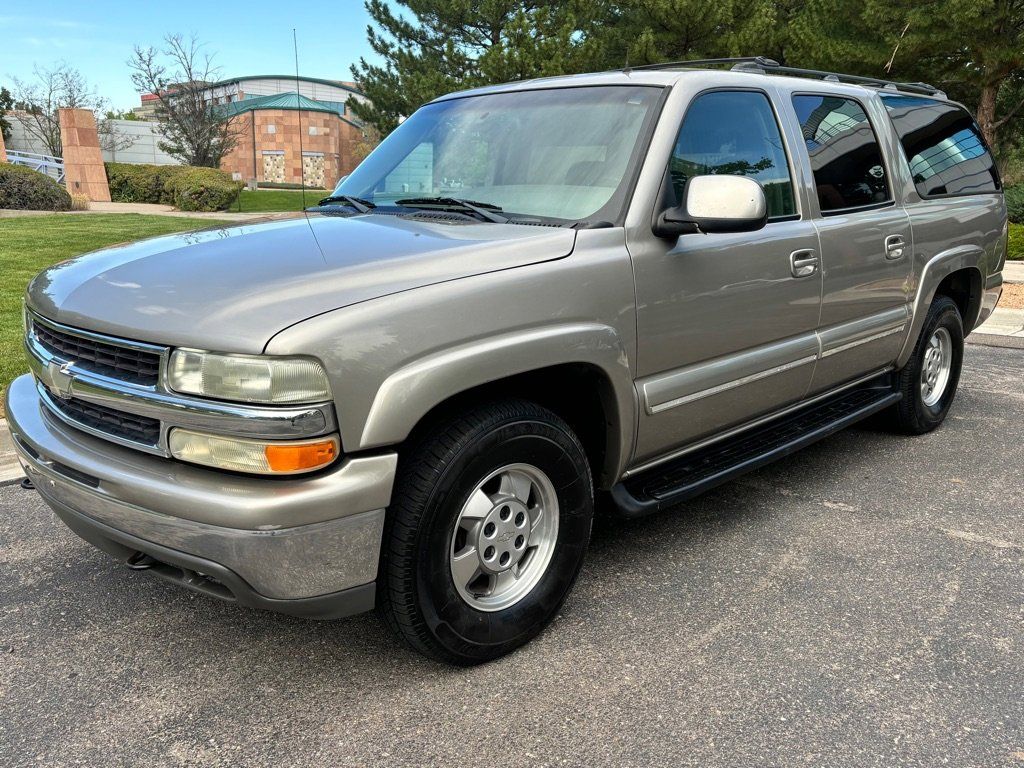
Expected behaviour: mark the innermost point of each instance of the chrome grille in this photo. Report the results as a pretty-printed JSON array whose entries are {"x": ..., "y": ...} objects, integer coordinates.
[
  {"x": 126, "y": 426},
  {"x": 135, "y": 366}
]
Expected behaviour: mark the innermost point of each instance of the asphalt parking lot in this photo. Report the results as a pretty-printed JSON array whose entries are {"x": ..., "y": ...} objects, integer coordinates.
[{"x": 859, "y": 604}]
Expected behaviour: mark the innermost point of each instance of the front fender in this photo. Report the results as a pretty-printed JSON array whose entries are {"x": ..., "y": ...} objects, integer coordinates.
[{"x": 409, "y": 393}]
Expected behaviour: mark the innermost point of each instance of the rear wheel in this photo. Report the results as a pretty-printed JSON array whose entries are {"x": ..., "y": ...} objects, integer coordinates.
[
  {"x": 929, "y": 379},
  {"x": 490, "y": 522}
]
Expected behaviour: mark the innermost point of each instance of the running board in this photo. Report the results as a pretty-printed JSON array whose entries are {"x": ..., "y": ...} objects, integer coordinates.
[{"x": 680, "y": 479}]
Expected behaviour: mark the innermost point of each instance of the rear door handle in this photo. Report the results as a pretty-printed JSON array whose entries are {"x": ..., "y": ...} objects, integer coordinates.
[
  {"x": 895, "y": 246},
  {"x": 803, "y": 263}
]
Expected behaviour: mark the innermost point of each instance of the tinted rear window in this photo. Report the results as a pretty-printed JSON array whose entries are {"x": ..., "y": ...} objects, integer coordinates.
[
  {"x": 944, "y": 147},
  {"x": 848, "y": 169}
]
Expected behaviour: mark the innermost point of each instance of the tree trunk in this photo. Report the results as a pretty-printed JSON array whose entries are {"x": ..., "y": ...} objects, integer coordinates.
[{"x": 987, "y": 112}]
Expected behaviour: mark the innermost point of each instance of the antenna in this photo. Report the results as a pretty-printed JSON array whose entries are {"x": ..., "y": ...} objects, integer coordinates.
[{"x": 298, "y": 106}]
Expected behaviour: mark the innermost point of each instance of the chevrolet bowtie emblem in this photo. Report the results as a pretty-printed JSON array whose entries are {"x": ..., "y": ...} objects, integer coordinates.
[{"x": 60, "y": 379}]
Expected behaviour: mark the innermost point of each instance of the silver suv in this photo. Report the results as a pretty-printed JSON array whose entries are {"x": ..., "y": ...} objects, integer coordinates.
[{"x": 631, "y": 285}]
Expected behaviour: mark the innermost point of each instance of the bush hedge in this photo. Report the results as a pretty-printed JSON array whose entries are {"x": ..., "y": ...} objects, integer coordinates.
[
  {"x": 1015, "y": 203},
  {"x": 185, "y": 187},
  {"x": 1015, "y": 243},
  {"x": 28, "y": 190}
]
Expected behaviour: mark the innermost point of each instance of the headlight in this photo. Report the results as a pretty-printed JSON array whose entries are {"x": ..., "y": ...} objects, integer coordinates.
[
  {"x": 248, "y": 378},
  {"x": 261, "y": 457}
]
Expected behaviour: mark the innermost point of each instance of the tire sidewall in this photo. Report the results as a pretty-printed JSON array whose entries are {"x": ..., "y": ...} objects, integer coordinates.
[
  {"x": 460, "y": 628},
  {"x": 944, "y": 315}
]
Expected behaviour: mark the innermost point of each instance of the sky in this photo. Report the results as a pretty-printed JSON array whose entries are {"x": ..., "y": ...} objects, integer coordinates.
[{"x": 248, "y": 38}]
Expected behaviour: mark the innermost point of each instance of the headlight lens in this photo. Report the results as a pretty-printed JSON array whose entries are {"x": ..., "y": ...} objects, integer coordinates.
[
  {"x": 261, "y": 457},
  {"x": 248, "y": 378}
]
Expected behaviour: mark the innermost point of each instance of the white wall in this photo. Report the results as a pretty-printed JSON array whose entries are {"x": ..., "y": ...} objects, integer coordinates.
[
  {"x": 143, "y": 148},
  {"x": 22, "y": 141}
]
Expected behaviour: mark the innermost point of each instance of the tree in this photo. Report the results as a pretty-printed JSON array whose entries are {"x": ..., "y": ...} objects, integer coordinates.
[
  {"x": 179, "y": 75},
  {"x": 449, "y": 45},
  {"x": 120, "y": 114},
  {"x": 972, "y": 49},
  {"x": 6, "y": 105},
  {"x": 50, "y": 89}
]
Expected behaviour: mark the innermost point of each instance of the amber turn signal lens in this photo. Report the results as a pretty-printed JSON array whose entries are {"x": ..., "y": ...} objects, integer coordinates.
[{"x": 296, "y": 458}]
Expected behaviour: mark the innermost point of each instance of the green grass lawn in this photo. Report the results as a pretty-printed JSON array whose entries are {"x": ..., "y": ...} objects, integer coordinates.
[
  {"x": 28, "y": 244},
  {"x": 274, "y": 200}
]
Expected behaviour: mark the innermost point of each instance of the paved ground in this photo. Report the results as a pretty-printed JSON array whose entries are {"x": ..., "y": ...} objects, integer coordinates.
[{"x": 861, "y": 604}]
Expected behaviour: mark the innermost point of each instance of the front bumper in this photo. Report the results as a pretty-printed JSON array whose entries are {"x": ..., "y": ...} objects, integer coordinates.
[{"x": 304, "y": 545}]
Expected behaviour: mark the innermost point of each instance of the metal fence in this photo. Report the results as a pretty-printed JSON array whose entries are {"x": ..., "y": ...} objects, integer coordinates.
[{"x": 48, "y": 164}]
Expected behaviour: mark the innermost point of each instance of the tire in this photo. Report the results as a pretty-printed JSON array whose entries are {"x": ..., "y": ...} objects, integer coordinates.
[
  {"x": 432, "y": 524},
  {"x": 917, "y": 413}
]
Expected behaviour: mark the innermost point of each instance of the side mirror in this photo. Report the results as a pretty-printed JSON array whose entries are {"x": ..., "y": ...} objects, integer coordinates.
[{"x": 716, "y": 204}]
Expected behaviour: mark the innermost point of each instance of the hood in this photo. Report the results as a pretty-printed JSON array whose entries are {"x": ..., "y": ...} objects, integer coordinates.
[{"x": 232, "y": 288}]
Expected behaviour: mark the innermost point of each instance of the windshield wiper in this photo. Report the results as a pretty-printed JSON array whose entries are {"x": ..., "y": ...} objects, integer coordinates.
[
  {"x": 486, "y": 211},
  {"x": 363, "y": 206}
]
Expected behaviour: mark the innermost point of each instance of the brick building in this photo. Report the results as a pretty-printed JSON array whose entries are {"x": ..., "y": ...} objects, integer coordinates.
[
  {"x": 272, "y": 113},
  {"x": 287, "y": 137}
]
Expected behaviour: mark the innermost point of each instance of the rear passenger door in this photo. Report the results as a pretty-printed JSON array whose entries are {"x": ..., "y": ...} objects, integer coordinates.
[{"x": 865, "y": 238}]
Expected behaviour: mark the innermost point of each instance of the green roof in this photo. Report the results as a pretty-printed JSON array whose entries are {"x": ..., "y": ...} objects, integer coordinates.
[{"x": 289, "y": 100}]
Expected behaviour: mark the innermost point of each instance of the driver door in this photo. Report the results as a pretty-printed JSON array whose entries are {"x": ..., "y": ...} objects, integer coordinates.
[{"x": 726, "y": 322}]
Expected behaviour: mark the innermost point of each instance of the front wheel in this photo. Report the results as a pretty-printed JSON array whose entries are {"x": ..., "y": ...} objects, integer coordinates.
[
  {"x": 490, "y": 522},
  {"x": 929, "y": 379}
]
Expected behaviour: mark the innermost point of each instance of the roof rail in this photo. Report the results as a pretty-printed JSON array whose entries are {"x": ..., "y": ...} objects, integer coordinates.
[
  {"x": 765, "y": 65},
  {"x": 759, "y": 60}
]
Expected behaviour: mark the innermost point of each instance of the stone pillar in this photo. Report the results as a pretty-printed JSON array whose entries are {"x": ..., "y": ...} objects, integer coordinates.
[
  {"x": 3, "y": 150},
  {"x": 84, "y": 173}
]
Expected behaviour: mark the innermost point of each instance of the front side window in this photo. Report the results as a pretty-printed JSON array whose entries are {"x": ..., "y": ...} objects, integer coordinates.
[
  {"x": 564, "y": 154},
  {"x": 943, "y": 146},
  {"x": 734, "y": 132},
  {"x": 847, "y": 162}
]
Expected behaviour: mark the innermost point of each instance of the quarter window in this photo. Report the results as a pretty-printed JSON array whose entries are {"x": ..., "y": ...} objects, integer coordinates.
[
  {"x": 734, "y": 132},
  {"x": 943, "y": 146},
  {"x": 845, "y": 157}
]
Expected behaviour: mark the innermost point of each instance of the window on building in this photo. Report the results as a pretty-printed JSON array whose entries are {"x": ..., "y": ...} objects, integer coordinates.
[
  {"x": 312, "y": 130},
  {"x": 271, "y": 128},
  {"x": 734, "y": 132},
  {"x": 849, "y": 172},
  {"x": 943, "y": 146}
]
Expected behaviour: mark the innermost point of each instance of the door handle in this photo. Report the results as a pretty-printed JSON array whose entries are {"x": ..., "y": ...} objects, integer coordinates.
[
  {"x": 895, "y": 245},
  {"x": 803, "y": 263}
]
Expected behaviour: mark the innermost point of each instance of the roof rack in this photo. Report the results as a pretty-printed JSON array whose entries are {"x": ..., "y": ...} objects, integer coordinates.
[{"x": 765, "y": 65}]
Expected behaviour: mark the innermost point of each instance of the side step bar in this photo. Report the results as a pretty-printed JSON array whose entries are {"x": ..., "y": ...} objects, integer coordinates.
[{"x": 690, "y": 475}]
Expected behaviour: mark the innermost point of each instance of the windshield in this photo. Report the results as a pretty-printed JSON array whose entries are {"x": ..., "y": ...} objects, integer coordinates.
[{"x": 560, "y": 153}]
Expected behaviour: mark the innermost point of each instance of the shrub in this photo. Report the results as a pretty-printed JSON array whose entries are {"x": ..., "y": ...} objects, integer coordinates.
[
  {"x": 202, "y": 189},
  {"x": 1015, "y": 203},
  {"x": 28, "y": 190},
  {"x": 1015, "y": 245},
  {"x": 131, "y": 183},
  {"x": 185, "y": 187},
  {"x": 79, "y": 202}
]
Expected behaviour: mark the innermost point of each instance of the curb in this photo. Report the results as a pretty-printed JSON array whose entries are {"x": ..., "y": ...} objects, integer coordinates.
[
  {"x": 10, "y": 469},
  {"x": 995, "y": 340}
]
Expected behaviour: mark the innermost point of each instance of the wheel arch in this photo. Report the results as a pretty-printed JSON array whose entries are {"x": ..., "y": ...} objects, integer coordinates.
[
  {"x": 956, "y": 273},
  {"x": 580, "y": 372}
]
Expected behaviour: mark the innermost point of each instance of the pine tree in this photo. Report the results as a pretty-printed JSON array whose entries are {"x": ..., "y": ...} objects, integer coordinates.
[
  {"x": 972, "y": 49},
  {"x": 432, "y": 47}
]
